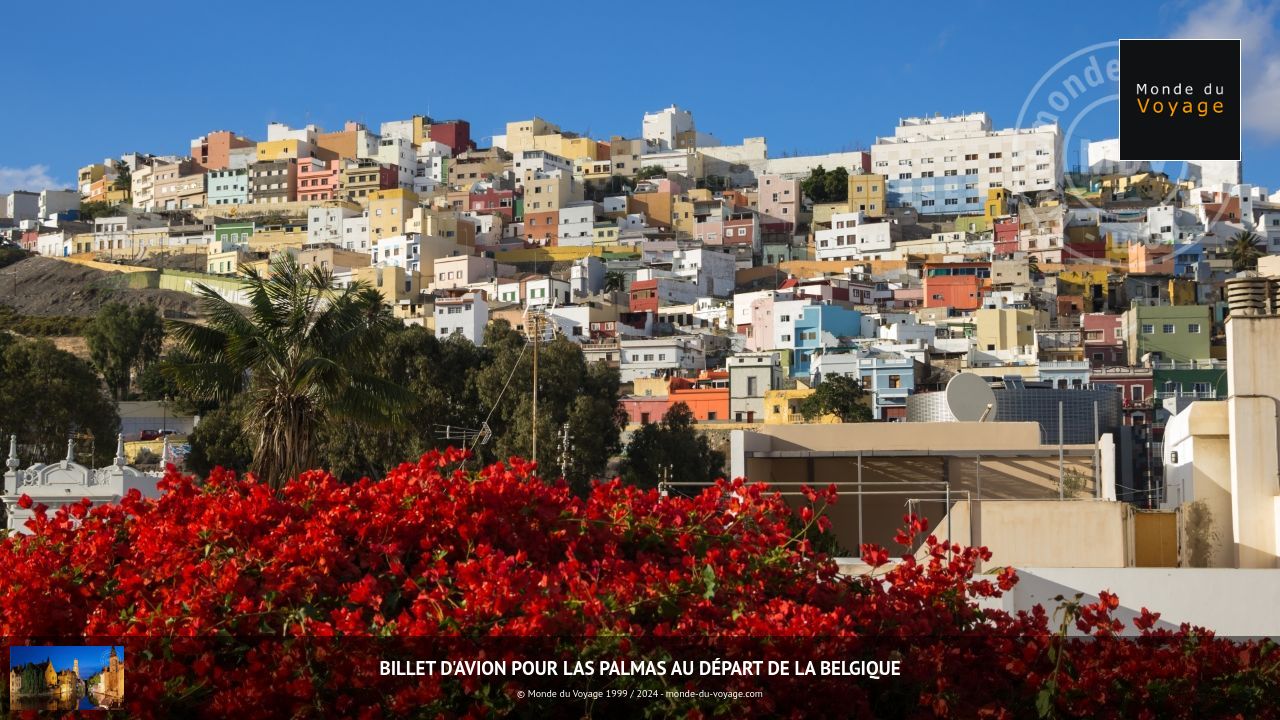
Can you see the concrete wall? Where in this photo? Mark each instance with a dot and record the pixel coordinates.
(1253, 374)
(1231, 602)
(1200, 482)
(1045, 533)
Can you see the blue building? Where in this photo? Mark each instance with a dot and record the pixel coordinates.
(946, 195)
(822, 326)
(888, 378)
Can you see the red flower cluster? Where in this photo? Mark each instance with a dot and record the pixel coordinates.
(235, 600)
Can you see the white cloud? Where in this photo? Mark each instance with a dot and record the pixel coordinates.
(1254, 24)
(34, 178)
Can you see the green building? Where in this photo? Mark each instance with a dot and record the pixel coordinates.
(232, 234)
(1179, 333)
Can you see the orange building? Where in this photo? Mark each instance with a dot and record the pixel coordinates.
(956, 285)
(213, 151)
(1153, 259)
(542, 228)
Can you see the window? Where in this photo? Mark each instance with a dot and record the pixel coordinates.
(949, 173)
(952, 201)
(1136, 392)
(1148, 328)
(1202, 389)
(1193, 328)
(971, 171)
(995, 169)
(711, 415)
(904, 176)
(895, 381)
(927, 174)
(973, 156)
(1167, 328)
(993, 156)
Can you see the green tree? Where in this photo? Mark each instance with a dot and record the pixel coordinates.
(45, 394)
(92, 210)
(614, 281)
(838, 395)
(438, 375)
(124, 176)
(124, 340)
(1244, 249)
(823, 187)
(651, 171)
(671, 449)
(304, 354)
(220, 441)
(571, 391)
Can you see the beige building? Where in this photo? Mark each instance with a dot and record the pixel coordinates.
(390, 212)
(1007, 329)
(545, 192)
(522, 135)
(177, 185)
(472, 166)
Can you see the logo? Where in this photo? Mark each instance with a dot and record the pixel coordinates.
(1180, 98)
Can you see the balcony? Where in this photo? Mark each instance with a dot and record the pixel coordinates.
(1210, 394)
(1189, 365)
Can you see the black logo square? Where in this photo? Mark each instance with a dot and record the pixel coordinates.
(1180, 99)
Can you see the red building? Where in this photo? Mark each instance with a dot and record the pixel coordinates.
(1104, 339)
(454, 133)
(1005, 232)
(960, 286)
(644, 296)
(494, 202)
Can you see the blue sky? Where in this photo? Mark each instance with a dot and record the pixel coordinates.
(89, 80)
(92, 658)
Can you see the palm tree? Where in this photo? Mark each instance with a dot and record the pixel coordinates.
(303, 354)
(1244, 249)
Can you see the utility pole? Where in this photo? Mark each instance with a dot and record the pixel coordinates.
(534, 317)
(564, 451)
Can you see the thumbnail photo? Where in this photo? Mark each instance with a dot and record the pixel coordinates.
(59, 679)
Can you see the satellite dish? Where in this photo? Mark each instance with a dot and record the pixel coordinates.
(970, 398)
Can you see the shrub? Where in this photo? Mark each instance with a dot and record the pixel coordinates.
(235, 600)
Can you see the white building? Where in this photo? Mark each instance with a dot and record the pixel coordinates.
(403, 251)
(465, 315)
(714, 272)
(946, 165)
(1104, 159)
(460, 271)
(355, 232)
(23, 205)
(665, 127)
(53, 202)
(654, 357)
(851, 237)
(577, 224)
(324, 223)
(63, 483)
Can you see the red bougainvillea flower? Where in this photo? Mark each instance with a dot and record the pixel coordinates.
(234, 600)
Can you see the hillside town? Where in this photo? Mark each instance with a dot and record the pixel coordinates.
(1090, 297)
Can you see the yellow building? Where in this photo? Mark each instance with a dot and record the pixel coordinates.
(867, 194)
(1007, 328)
(390, 212)
(782, 407)
(274, 238)
(283, 149)
(605, 234)
(88, 175)
(1148, 186)
(395, 284)
(997, 204)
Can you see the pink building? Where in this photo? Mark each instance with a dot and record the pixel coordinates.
(779, 201)
(760, 332)
(317, 180)
(1104, 339)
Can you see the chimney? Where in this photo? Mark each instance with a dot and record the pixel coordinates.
(1251, 294)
